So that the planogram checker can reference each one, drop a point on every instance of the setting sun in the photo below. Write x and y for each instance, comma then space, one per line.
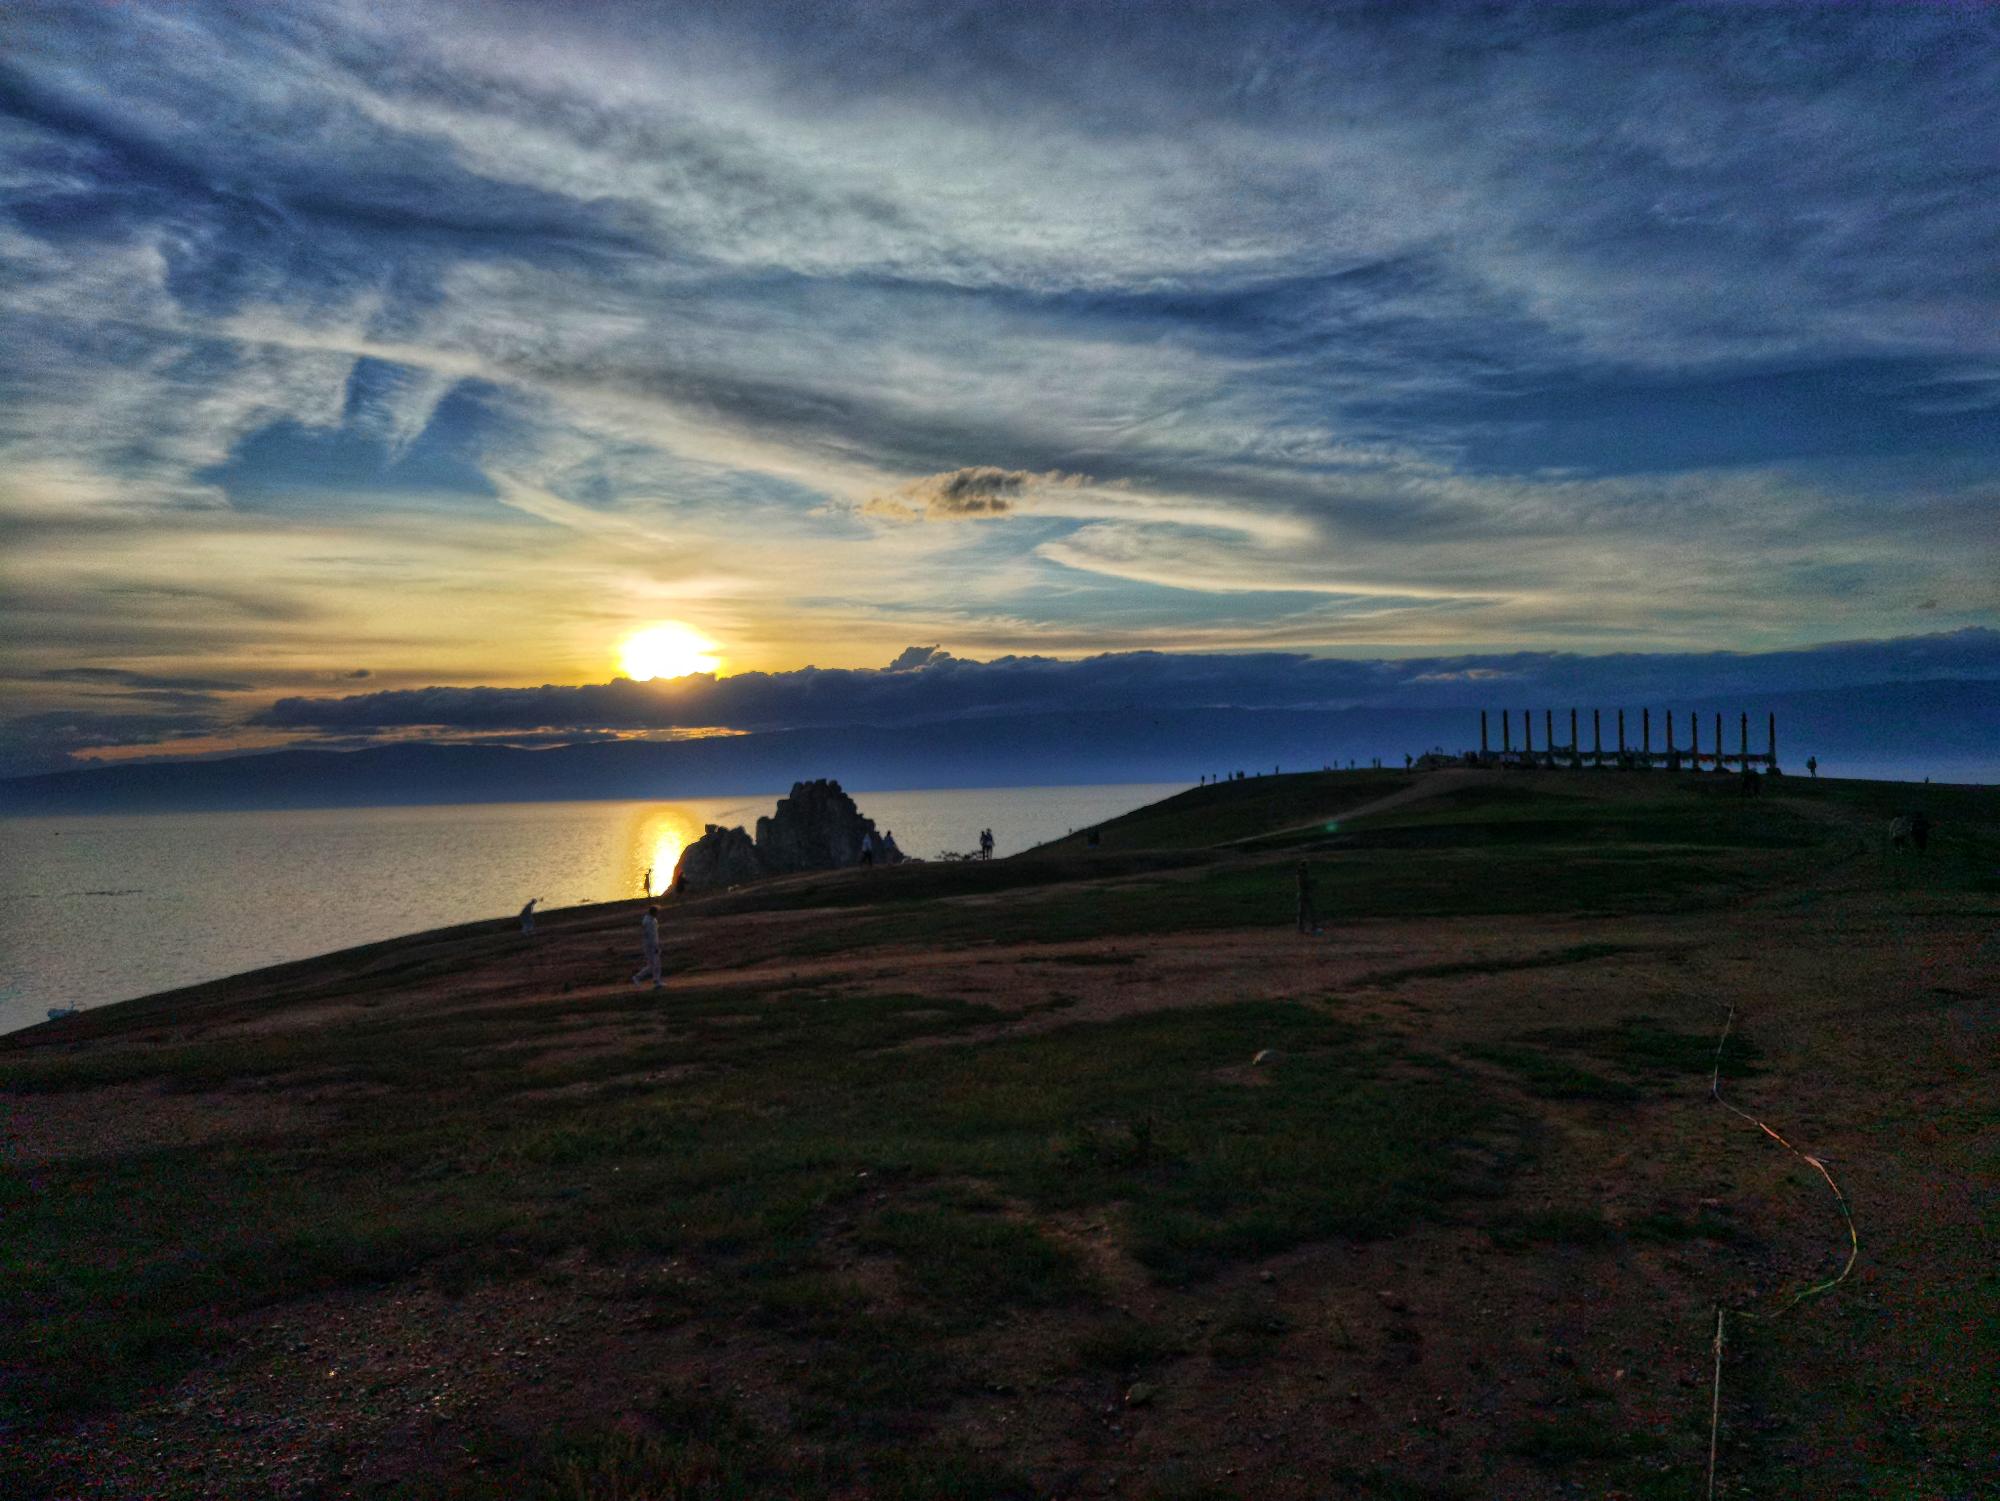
667, 650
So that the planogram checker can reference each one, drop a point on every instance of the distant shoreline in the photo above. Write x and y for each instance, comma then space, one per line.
765, 794
1947, 730
1870, 774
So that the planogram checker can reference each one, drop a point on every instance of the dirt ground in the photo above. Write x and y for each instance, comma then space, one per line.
1449, 1360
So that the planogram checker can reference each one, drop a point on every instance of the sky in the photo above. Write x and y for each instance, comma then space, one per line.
351, 350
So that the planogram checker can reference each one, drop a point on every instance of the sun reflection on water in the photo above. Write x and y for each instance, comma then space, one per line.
662, 834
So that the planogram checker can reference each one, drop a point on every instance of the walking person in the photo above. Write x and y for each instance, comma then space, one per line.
868, 847
528, 915
649, 936
1308, 918
1812, 765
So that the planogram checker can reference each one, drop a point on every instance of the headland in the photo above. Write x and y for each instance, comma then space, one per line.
1084, 1172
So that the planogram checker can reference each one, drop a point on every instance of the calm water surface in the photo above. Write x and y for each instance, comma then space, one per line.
102, 909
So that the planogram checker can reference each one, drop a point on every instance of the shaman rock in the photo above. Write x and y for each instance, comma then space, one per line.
815, 827
721, 857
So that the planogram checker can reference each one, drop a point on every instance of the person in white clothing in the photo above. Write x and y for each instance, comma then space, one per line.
649, 932
528, 915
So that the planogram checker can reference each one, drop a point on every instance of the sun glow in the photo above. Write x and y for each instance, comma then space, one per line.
657, 842
667, 650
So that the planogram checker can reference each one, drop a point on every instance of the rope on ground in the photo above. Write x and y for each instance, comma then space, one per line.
1721, 1312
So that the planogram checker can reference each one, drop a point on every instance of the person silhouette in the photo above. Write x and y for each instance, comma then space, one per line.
1308, 917
649, 938
528, 915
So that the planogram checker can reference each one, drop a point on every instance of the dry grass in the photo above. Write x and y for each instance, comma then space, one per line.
972, 1190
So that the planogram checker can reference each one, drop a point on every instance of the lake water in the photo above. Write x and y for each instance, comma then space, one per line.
101, 909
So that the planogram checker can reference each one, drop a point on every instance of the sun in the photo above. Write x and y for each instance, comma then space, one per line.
667, 650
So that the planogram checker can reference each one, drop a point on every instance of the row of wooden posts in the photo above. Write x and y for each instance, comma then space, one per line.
1621, 754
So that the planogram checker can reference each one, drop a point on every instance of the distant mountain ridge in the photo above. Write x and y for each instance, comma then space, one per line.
1947, 722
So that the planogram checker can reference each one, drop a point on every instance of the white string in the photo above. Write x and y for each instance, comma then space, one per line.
1853, 1247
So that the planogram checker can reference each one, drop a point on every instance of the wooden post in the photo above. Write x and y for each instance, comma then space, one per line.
1597, 734
1670, 737
1482, 734
1646, 733
1528, 732
1694, 739
1506, 733
1718, 740
1773, 756
1576, 745
1745, 757
1549, 734
1621, 734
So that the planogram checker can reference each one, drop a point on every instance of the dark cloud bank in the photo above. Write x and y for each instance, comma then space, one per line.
1909, 708
926, 684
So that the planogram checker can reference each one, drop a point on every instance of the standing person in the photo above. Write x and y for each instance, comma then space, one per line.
986, 844
528, 915
890, 854
646, 886
649, 936
1308, 918
1812, 766
868, 847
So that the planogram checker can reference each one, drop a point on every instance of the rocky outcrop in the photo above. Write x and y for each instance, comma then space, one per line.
721, 857
816, 827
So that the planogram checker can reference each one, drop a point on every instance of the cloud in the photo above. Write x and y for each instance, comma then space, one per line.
1369, 326
962, 494
54, 740
125, 678
925, 684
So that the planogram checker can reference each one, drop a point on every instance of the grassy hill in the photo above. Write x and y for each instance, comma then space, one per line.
1080, 1173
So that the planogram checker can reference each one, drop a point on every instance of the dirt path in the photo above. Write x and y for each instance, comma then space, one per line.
1429, 784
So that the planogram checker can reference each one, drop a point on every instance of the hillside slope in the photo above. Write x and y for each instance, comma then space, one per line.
1082, 1173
